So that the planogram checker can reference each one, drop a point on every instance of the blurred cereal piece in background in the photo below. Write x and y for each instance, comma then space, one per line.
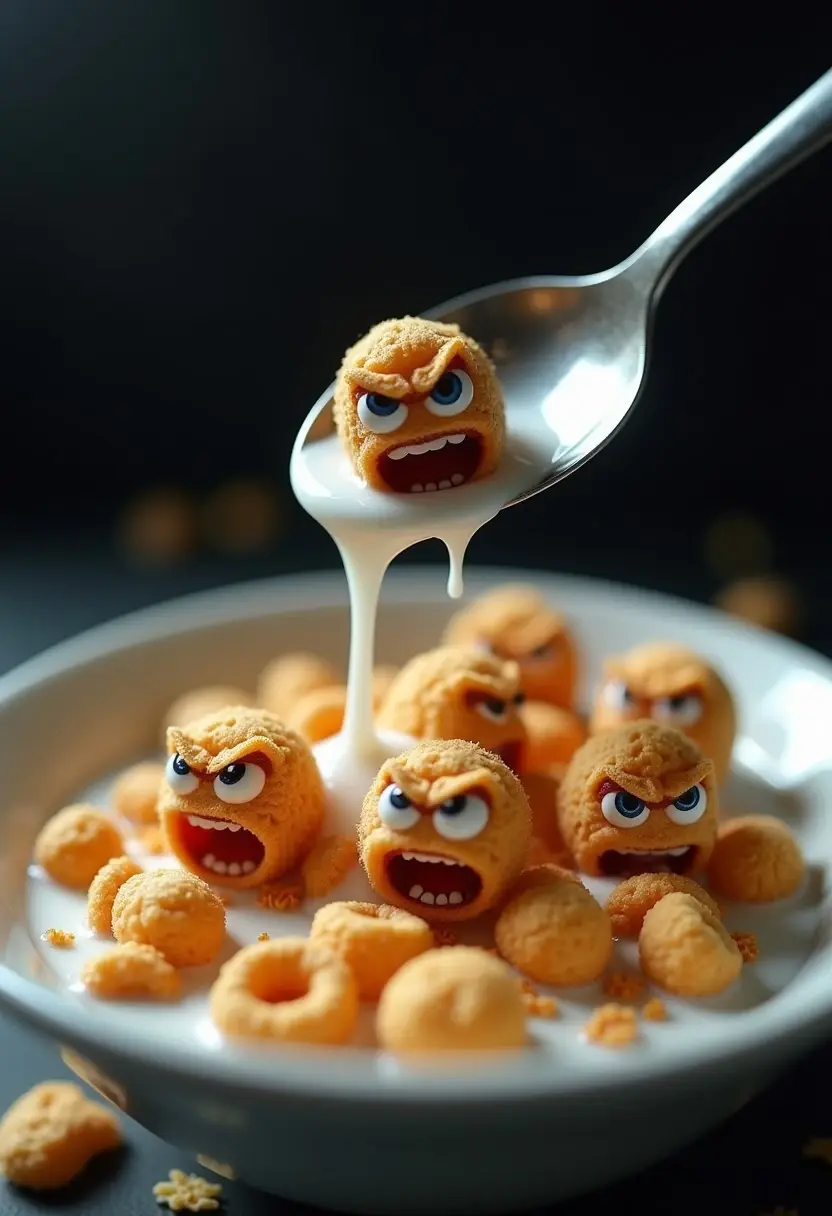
738, 544
764, 600
241, 516
159, 527
198, 702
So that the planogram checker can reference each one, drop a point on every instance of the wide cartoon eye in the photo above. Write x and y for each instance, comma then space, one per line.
452, 393
682, 710
492, 709
624, 810
239, 782
179, 776
461, 818
616, 695
381, 414
396, 811
690, 806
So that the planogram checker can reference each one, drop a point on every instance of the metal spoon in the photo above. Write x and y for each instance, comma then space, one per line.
572, 352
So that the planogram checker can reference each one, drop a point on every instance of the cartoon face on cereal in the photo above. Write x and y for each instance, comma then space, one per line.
243, 800
515, 622
419, 407
670, 683
444, 830
638, 799
451, 693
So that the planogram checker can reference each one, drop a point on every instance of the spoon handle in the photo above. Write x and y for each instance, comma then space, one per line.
804, 126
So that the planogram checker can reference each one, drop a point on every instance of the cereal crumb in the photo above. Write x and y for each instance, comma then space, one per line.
279, 897
747, 944
623, 985
218, 1167
50, 1133
612, 1026
187, 1193
445, 937
152, 840
540, 1006
818, 1149
262, 937
59, 938
655, 1010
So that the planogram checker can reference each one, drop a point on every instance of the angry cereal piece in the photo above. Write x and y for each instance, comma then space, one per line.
685, 948
103, 890
633, 898
374, 940
515, 622
747, 946
286, 679
452, 693
74, 844
654, 1010
612, 1026
418, 407
130, 971
555, 933
49, 1135
452, 1000
187, 1193
676, 687
458, 805
174, 911
553, 735
638, 799
136, 792
243, 800
59, 938
623, 985
756, 859
200, 702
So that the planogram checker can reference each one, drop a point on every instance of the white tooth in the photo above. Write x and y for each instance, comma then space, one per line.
208, 860
435, 445
408, 856
444, 485
457, 479
196, 821
449, 861
416, 891
219, 867
249, 867
455, 438
398, 453
431, 485
678, 852
234, 827
427, 898
417, 489
234, 868
454, 898
441, 899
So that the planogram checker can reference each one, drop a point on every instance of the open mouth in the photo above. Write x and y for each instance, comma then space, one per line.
437, 462
626, 863
510, 754
225, 849
433, 879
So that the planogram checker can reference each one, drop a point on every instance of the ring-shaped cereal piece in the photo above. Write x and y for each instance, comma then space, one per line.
375, 940
289, 990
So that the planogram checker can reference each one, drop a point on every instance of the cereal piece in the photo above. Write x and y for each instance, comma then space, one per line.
280, 896
175, 912
767, 602
756, 859
612, 1026
442, 938
636, 799
241, 516
515, 622
672, 685
476, 819
537, 1006
59, 938
159, 527
542, 793
556, 934
633, 898
259, 806
74, 844
136, 792
49, 1135
543, 875
374, 940
451, 389
553, 735
319, 713
200, 702
654, 1010
747, 946
152, 840
218, 1167
452, 1000
187, 1193
623, 985
327, 865
130, 971
685, 948
290, 989
103, 890
451, 693
286, 679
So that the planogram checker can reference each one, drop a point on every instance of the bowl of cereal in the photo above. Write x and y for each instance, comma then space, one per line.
559, 905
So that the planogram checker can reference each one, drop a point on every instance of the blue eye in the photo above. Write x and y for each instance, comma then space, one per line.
448, 390
629, 805
690, 806
381, 414
452, 393
383, 407
688, 800
624, 810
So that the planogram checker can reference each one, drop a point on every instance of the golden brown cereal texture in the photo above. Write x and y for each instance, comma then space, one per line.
652, 762
130, 971
291, 676
290, 989
633, 898
74, 844
187, 1193
174, 911
200, 702
61, 939
556, 934
136, 792
756, 859
103, 890
327, 865
685, 948
319, 713
375, 940
514, 621
537, 1006
612, 1026
49, 1135
623, 985
284, 896
747, 946
654, 1010
152, 840
553, 735
452, 1000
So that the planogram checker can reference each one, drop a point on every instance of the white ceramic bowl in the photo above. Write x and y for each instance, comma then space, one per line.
340, 1128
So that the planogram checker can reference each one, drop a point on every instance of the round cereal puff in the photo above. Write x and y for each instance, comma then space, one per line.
685, 948
375, 940
130, 971
543, 875
633, 898
556, 933
319, 713
553, 735
756, 859
462, 999
75, 843
174, 911
290, 990
49, 1135
103, 890
136, 792
200, 702
291, 676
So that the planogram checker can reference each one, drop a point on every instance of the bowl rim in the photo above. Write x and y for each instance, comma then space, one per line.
791, 1017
